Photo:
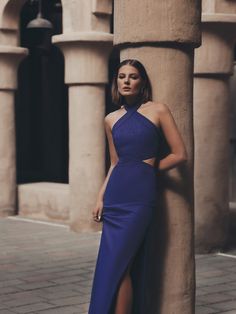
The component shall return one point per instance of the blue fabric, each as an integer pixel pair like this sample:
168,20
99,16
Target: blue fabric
129,200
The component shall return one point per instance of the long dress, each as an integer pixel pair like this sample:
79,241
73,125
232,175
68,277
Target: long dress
128,204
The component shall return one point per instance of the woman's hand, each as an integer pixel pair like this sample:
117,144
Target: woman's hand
97,211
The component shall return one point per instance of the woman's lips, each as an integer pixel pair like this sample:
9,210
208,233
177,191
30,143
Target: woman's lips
126,88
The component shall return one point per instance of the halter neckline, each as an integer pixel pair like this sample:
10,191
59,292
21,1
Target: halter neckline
134,106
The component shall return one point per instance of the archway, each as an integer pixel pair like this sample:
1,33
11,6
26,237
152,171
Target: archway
40,199
41,103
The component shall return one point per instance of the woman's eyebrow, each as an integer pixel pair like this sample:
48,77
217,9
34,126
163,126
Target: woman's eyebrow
129,73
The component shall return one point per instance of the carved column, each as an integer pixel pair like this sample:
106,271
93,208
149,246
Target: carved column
10,58
162,35
213,67
86,44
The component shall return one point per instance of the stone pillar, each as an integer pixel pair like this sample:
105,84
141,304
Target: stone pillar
167,53
86,43
232,194
213,67
10,58
86,73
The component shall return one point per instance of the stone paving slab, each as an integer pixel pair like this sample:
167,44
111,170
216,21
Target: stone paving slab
48,269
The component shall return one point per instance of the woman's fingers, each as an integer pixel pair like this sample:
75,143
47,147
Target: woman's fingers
97,215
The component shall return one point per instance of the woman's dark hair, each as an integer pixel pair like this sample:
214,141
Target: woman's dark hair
145,91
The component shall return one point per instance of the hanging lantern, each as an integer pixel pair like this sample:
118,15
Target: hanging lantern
40,22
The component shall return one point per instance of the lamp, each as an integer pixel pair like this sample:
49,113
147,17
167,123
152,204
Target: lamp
40,22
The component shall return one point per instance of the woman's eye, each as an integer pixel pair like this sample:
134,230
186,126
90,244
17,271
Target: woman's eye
133,77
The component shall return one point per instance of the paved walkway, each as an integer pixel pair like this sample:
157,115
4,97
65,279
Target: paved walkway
47,269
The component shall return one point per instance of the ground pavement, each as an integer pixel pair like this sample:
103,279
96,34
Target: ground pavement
48,269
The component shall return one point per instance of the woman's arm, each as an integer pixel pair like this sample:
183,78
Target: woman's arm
178,153
113,160
113,154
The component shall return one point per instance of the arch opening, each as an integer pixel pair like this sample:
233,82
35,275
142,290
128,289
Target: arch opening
41,103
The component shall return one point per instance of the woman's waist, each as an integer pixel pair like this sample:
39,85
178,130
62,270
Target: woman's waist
128,161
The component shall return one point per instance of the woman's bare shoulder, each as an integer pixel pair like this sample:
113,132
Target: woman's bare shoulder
110,117
113,114
159,107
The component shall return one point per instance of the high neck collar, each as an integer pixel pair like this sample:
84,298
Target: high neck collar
133,106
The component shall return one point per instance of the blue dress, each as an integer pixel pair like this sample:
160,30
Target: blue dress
129,200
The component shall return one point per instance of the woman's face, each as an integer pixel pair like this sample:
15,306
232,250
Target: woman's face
129,81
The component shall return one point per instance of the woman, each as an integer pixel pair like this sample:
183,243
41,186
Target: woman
127,197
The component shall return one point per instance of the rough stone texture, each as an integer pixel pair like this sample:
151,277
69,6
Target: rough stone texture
219,6
87,153
211,119
9,13
10,57
215,56
170,69
45,201
7,154
86,55
9,21
232,190
83,15
102,7
91,51
157,21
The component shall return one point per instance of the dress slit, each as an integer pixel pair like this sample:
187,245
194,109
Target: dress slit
132,260
115,294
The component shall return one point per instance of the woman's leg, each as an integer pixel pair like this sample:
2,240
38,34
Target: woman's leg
124,295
